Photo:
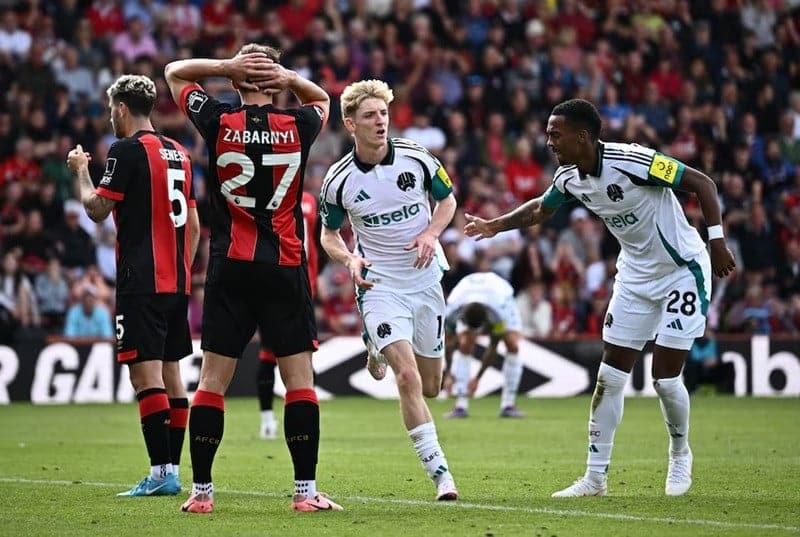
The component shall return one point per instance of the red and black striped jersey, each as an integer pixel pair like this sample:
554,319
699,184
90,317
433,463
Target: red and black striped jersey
150,178
257,158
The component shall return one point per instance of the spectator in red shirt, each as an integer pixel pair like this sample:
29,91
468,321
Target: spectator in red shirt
216,19
296,15
572,15
21,167
106,18
524,174
668,79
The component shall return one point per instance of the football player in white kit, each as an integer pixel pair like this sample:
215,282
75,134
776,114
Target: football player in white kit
483,301
663,285
383,186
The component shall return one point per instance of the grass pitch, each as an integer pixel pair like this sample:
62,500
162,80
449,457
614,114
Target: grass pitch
60,467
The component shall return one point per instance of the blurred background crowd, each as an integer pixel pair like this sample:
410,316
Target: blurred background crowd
713,83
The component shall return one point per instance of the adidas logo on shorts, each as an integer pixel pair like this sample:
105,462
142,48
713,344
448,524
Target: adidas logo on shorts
675,325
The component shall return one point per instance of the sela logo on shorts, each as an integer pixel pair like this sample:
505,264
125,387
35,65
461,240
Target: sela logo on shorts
384,330
615,192
406,181
195,101
609,319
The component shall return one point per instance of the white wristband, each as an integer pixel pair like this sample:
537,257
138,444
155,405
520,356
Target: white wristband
715,232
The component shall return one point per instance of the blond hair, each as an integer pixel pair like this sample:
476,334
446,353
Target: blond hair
354,94
138,92
272,53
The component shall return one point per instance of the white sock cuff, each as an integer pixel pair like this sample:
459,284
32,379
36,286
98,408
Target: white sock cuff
512,357
667,385
422,430
612,375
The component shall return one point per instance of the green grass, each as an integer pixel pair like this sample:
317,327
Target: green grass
60,467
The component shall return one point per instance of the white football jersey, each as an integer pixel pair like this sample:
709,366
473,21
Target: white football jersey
632,192
388,206
485,288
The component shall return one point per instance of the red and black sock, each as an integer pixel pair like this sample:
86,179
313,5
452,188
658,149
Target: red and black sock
266,379
301,427
178,418
206,422
154,415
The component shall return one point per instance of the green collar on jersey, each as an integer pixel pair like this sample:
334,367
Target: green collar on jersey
387,160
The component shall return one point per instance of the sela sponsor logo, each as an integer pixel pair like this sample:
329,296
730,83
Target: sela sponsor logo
385,219
258,137
621,220
195,101
173,154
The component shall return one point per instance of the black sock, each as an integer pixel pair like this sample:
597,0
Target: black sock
154,416
178,418
206,422
266,384
301,427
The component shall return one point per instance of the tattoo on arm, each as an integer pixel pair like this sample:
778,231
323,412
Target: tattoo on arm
97,207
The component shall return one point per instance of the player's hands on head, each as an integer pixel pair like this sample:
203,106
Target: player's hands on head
78,158
477,227
244,69
274,80
426,248
356,264
722,261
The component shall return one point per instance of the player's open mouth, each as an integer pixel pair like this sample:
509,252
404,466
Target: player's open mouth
380,132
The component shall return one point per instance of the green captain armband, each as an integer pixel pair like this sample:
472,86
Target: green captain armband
441,185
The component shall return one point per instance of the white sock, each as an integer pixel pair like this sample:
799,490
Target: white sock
460,370
512,374
307,487
160,471
430,453
608,403
176,470
203,488
674,399
267,417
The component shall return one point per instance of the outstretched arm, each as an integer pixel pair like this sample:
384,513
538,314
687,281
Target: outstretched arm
703,187
530,213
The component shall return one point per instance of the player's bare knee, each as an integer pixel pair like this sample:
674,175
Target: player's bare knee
431,385
146,375
408,380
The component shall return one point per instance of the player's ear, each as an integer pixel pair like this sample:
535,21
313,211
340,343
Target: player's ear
348,124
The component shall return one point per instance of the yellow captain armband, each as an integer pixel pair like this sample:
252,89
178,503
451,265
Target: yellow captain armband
666,169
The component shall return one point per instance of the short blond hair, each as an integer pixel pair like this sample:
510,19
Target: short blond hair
271,52
354,94
138,92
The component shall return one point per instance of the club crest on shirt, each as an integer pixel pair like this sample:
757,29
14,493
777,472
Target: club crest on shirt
614,192
406,181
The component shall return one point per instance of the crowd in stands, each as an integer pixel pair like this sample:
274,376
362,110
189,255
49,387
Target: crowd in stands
713,83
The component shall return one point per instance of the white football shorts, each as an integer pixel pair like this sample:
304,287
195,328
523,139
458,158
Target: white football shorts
415,317
672,309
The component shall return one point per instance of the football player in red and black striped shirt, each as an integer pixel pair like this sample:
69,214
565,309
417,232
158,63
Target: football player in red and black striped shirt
257,274
147,184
